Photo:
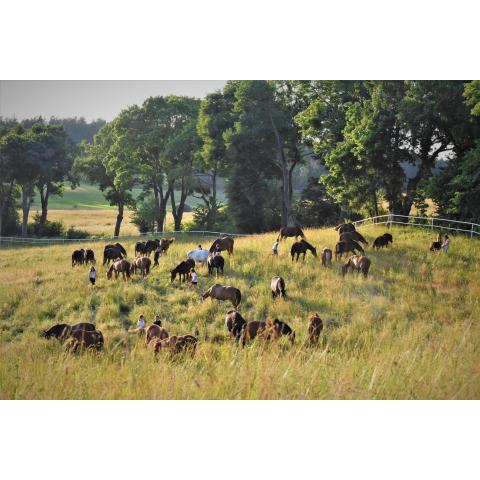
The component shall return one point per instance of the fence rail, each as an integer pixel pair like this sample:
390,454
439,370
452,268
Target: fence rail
426,222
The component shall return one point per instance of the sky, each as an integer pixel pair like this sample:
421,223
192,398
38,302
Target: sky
91,99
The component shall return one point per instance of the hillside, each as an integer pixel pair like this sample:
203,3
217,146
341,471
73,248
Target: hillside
408,331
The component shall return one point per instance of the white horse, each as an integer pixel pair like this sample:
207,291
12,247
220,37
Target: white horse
200,256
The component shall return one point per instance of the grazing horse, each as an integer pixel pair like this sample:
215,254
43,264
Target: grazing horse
175,344
154,331
140,248
89,256
182,270
84,339
382,241
120,267
200,256
345,227
356,236
142,264
301,247
389,237
78,257
215,262
165,243
290,232
235,323
151,246
112,253
220,292
221,244
277,286
63,330
345,247
326,257
269,330
360,264
435,246
315,327
118,245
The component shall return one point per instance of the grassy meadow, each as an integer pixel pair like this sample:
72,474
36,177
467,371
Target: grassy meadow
409,331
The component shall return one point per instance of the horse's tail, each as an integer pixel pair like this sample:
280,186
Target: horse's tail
238,297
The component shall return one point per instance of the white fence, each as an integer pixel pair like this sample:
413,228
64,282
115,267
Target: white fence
425,222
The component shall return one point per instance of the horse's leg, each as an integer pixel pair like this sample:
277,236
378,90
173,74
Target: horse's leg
304,253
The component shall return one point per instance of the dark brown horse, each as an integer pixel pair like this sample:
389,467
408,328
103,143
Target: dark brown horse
235,323
382,241
151,246
119,245
357,263
215,262
142,264
355,236
435,246
269,330
221,244
112,253
220,292
123,267
277,285
63,330
78,257
140,248
301,247
89,256
84,339
345,227
290,232
346,247
182,270
315,327
164,244
175,344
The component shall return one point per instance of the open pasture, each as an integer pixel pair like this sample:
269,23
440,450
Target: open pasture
410,330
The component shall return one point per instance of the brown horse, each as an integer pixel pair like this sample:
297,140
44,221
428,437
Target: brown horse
382,241
182,270
269,330
221,244
315,327
120,267
345,247
84,339
435,246
356,236
112,253
360,264
326,257
277,285
290,232
118,245
301,247
164,244
219,292
235,323
215,262
142,264
89,256
345,227
175,344
62,330
155,331
78,257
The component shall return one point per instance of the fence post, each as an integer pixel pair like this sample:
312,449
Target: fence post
471,232
431,225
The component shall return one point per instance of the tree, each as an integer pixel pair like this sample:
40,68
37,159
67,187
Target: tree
7,186
107,163
55,163
472,95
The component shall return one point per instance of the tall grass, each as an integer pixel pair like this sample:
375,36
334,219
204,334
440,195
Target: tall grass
411,330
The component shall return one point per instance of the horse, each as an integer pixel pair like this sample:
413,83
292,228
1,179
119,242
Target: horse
220,244
290,232
356,236
165,243
435,246
220,292
182,269
345,247
89,256
326,257
122,266
151,246
269,330
382,241
156,257
301,247
119,245
200,256
345,227
155,331
63,330
142,264
389,237
277,286
235,323
112,253
315,327
217,262
360,264
85,339
175,344
140,248
78,257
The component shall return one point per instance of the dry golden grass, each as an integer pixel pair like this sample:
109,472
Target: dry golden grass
408,331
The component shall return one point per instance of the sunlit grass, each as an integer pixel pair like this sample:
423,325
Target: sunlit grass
408,331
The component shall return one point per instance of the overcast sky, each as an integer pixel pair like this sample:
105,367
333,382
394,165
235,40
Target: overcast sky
91,99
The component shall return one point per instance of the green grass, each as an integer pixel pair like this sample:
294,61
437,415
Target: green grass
408,331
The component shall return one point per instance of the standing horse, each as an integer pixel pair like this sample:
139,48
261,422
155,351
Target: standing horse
78,257
142,264
345,247
301,247
89,256
360,264
326,257
356,236
118,245
277,285
120,267
345,227
290,232
219,292
200,256
112,253
235,323
217,262
182,270
165,243
221,244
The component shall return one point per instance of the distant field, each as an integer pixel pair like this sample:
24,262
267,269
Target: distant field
409,331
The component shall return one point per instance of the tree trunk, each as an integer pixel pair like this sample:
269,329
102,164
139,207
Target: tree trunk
4,205
158,220
26,202
44,194
118,223
212,218
177,212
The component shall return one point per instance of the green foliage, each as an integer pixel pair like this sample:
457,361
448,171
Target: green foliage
145,214
77,233
50,229
472,95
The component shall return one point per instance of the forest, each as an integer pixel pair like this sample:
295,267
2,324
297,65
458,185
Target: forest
367,148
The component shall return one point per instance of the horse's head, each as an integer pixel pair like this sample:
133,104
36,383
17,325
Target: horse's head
314,251
173,274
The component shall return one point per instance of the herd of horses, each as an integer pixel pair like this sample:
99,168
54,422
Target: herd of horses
157,338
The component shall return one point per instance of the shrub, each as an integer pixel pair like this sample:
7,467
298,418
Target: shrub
145,215
74,233
51,229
